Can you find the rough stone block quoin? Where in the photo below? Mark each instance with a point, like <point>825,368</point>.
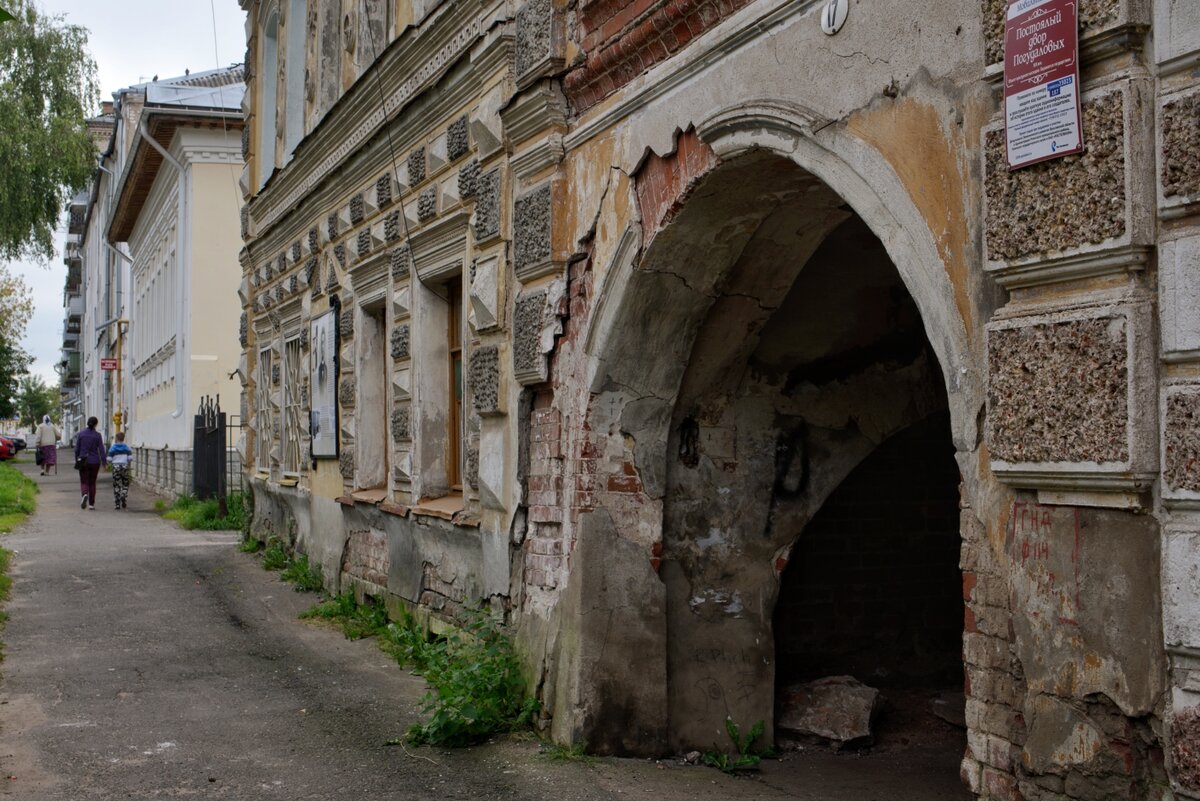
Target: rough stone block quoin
<point>383,190</point>
<point>313,240</point>
<point>364,243</point>
<point>346,462</point>
<point>534,35</point>
<point>400,342</point>
<point>339,253</point>
<point>245,219</point>
<point>331,226</point>
<point>1182,445</point>
<point>296,252</point>
<point>1058,392</point>
<point>356,209</point>
<point>427,204</point>
<point>1181,146</point>
<point>401,430</point>
<point>391,227</point>
<point>468,179</point>
<point>529,364</point>
<point>457,141</point>
<point>401,262</point>
<point>484,380</point>
<point>243,329</point>
<point>416,166</point>
<point>487,206</point>
<point>346,324</point>
<point>532,229</point>
<point>346,394</point>
<point>1061,204</point>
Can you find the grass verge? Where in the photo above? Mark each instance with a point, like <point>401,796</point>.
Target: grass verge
<point>18,499</point>
<point>191,513</point>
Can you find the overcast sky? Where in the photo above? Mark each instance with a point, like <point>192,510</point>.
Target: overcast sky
<point>131,42</point>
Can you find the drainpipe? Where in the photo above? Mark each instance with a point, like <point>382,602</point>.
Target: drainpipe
<point>181,343</point>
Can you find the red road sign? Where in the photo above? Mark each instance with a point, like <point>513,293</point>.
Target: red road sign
<point>108,364</point>
<point>1041,81</point>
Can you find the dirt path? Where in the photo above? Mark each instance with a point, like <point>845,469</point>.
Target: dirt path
<point>144,661</point>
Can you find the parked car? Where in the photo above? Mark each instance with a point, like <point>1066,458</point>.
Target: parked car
<point>8,449</point>
<point>19,442</point>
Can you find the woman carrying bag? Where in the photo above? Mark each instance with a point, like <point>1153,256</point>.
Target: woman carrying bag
<point>89,458</point>
<point>46,439</point>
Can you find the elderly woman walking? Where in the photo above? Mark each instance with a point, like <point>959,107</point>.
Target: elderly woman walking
<point>89,458</point>
<point>47,437</point>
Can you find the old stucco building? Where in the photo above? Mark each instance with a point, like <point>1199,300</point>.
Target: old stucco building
<point>722,353</point>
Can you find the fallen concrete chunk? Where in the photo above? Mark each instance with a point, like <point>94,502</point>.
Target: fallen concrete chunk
<point>839,709</point>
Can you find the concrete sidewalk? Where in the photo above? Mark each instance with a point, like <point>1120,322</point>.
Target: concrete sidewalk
<point>144,661</point>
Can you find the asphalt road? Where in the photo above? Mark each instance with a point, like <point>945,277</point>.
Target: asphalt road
<point>143,661</point>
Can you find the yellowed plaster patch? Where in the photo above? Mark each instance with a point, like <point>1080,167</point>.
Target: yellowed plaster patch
<point>909,135</point>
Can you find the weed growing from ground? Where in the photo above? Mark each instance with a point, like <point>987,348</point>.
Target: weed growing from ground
<point>274,557</point>
<point>357,621</point>
<point>206,515</point>
<point>303,577</point>
<point>475,676</point>
<point>250,545</point>
<point>568,753</point>
<point>744,756</point>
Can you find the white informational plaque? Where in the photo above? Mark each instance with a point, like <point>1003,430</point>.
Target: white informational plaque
<point>323,422</point>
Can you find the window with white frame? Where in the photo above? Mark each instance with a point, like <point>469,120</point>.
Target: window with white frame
<point>262,412</point>
<point>293,430</point>
<point>295,57</point>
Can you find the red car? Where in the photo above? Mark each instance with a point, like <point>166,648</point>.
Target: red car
<point>8,449</point>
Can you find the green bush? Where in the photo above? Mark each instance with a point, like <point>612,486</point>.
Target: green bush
<point>206,515</point>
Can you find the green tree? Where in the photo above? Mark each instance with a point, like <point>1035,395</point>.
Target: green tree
<point>36,399</point>
<point>14,363</point>
<point>47,87</point>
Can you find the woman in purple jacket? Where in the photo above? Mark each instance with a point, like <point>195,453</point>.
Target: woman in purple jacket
<point>89,446</point>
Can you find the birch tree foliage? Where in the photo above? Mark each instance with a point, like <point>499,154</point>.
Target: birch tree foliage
<point>47,88</point>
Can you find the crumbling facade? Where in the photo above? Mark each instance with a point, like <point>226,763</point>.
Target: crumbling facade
<point>703,342</point>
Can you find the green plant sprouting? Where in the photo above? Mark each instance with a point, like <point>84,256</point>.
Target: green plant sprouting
<point>744,755</point>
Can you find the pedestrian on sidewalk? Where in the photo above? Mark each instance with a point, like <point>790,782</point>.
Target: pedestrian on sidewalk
<point>120,455</point>
<point>47,438</point>
<point>89,458</point>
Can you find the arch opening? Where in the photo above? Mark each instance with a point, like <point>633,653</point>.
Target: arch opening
<point>808,356</point>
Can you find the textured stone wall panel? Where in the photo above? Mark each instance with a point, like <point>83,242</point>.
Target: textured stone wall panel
<point>346,324</point>
<point>1094,15</point>
<point>313,240</point>
<point>1181,146</point>
<point>487,206</point>
<point>1058,392</point>
<point>400,342</point>
<point>243,329</point>
<point>1182,435</point>
<point>346,462</point>
<point>364,242</point>
<point>401,424</point>
<point>296,252</point>
<point>416,166</point>
<point>391,227</point>
<point>339,253</point>
<point>332,284</point>
<point>383,190</point>
<point>531,228</point>
<point>457,142</point>
<point>1185,747</point>
<point>356,209</point>
<point>427,204</point>
<point>401,262</point>
<point>331,226</point>
<point>534,31</point>
<point>346,394</point>
<point>483,377</point>
<point>527,329</point>
<point>468,179</point>
<point>1064,203</point>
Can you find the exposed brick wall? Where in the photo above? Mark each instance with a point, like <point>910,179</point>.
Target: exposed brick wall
<point>664,182</point>
<point>366,557</point>
<point>624,38</point>
<point>873,588</point>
